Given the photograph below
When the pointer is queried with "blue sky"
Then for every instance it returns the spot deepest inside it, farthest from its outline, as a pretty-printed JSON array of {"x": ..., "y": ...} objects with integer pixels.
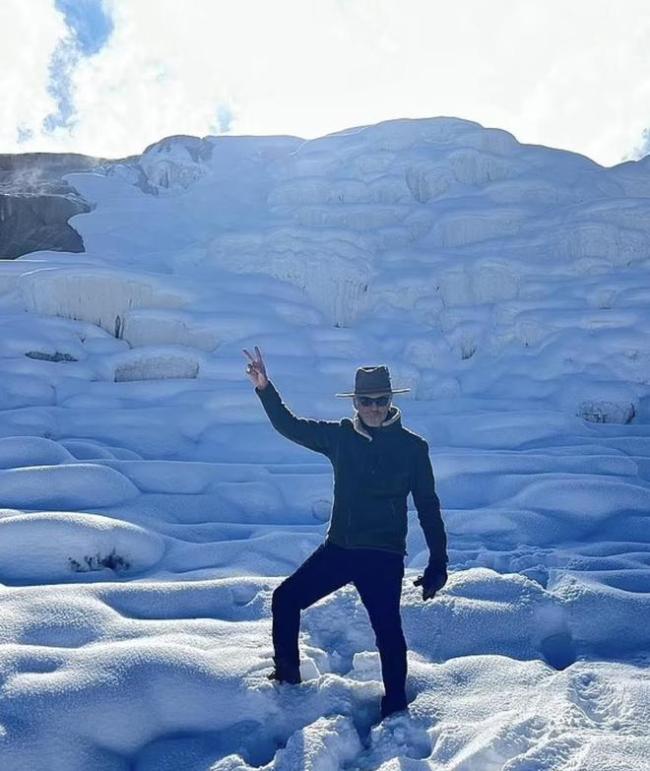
[
  {"x": 91, "y": 22},
  {"x": 109, "y": 77},
  {"x": 90, "y": 26}
]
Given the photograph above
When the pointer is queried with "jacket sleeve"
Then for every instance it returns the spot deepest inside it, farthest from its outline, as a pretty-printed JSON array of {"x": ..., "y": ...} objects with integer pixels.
[
  {"x": 427, "y": 504},
  {"x": 317, "y": 435}
]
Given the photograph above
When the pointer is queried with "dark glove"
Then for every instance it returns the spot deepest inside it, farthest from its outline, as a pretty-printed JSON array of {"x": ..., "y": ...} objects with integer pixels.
[{"x": 434, "y": 578}]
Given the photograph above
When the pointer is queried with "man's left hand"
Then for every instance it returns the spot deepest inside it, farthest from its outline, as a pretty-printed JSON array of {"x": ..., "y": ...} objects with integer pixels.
[{"x": 431, "y": 582}]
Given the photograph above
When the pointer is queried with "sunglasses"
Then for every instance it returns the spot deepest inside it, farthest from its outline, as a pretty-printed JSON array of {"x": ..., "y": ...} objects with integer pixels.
[{"x": 380, "y": 401}]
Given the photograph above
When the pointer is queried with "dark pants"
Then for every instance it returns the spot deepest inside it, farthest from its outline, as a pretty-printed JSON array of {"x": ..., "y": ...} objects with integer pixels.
[{"x": 377, "y": 576}]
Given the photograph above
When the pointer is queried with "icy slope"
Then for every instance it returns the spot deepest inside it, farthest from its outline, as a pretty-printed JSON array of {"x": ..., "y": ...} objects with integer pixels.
[
  {"x": 489, "y": 250},
  {"x": 148, "y": 509}
]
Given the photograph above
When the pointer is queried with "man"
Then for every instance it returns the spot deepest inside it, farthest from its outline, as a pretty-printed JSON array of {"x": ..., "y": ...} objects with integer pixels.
[{"x": 377, "y": 462}]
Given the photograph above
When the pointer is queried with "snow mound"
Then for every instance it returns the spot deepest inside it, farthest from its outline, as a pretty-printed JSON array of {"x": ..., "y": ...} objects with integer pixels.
[
  {"x": 73, "y": 486},
  {"x": 590, "y": 498},
  {"x": 491, "y": 140},
  {"x": 489, "y": 282},
  {"x": 96, "y": 295},
  {"x": 51, "y": 620},
  {"x": 463, "y": 227},
  {"x": 174, "y": 163},
  {"x": 403, "y": 133},
  {"x": 528, "y": 190},
  {"x": 471, "y": 167},
  {"x": 427, "y": 180},
  {"x": 525, "y": 622},
  {"x": 334, "y": 272},
  {"x": 230, "y": 599},
  {"x": 157, "y": 687},
  {"x": 19, "y": 389},
  {"x": 55, "y": 545},
  {"x": 325, "y": 745},
  {"x": 87, "y": 450},
  {"x": 606, "y": 412},
  {"x": 155, "y": 363},
  {"x": 541, "y": 720},
  {"x": 599, "y": 614},
  {"x": 162, "y": 476},
  {"x": 18, "y": 451},
  {"x": 618, "y": 245},
  {"x": 353, "y": 217},
  {"x": 55, "y": 340},
  {"x": 306, "y": 191},
  {"x": 160, "y": 327}
]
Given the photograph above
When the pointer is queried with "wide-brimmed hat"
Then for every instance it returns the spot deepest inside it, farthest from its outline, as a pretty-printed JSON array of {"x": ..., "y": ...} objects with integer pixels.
[{"x": 373, "y": 380}]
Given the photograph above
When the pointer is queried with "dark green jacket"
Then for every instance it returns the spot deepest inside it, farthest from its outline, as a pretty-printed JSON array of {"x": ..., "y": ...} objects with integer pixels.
[{"x": 373, "y": 475}]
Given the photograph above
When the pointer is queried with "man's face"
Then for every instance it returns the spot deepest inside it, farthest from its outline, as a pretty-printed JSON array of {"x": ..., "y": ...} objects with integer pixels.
[{"x": 372, "y": 414}]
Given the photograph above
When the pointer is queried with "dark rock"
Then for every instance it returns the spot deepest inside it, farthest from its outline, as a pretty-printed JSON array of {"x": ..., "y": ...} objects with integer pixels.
[
  {"x": 25, "y": 169},
  {"x": 36, "y": 202},
  {"x": 57, "y": 356},
  {"x": 29, "y": 223}
]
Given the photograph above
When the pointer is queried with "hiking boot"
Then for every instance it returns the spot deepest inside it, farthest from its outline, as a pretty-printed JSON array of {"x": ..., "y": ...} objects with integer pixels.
[
  {"x": 284, "y": 673},
  {"x": 284, "y": 677}
]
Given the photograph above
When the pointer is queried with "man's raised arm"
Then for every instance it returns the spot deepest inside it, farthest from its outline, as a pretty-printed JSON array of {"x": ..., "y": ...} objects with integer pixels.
[{"x": 317, "y": 435}]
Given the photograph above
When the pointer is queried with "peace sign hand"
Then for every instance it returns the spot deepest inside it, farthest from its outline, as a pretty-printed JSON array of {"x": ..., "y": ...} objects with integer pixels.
[{"x": 256, "y": 370}]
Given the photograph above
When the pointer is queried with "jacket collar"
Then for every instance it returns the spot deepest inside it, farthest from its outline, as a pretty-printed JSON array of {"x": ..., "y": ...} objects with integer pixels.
[{"x": 394, "y": 416}]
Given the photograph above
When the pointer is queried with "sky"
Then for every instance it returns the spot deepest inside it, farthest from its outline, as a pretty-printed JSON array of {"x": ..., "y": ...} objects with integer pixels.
[{"x": 109, "y": 77}]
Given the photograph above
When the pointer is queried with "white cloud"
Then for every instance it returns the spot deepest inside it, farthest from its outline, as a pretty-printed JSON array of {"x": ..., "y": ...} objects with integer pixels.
[
  {"x": 565, "y": 74},
  {"x": 29, "y": 34}
]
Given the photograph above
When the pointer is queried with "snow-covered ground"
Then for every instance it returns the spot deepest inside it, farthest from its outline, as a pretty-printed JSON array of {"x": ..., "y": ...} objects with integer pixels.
[{"x": 149, "y": 509}]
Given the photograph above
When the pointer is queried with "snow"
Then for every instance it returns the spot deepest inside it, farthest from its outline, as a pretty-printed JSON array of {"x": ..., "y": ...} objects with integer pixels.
[
  {"x": 155, "y": 363},
  {"x": 159, "y": 327},
  {"x": 100, "y": 297},
  {"x": 52, "y": 544},
  {"x": 16, "y": 451},
  {"x": 149, "y": 510},
  {"x": 81, "y": 484}
]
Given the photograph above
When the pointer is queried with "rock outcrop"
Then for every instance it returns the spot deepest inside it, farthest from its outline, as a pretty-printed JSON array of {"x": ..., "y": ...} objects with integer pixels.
[{"x": 36, "y": 202}]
